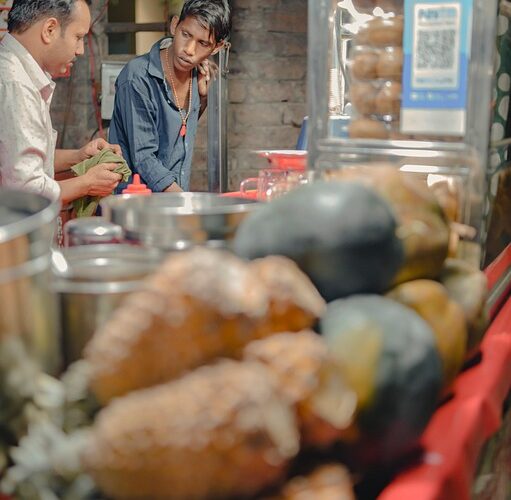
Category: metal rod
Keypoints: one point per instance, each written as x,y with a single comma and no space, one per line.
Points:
319,43
217,126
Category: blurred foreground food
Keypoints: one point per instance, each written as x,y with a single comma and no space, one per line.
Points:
217,432
179,420
201,305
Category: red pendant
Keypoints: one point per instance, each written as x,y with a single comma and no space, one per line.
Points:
182,132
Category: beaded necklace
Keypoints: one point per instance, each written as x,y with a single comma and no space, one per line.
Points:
170,78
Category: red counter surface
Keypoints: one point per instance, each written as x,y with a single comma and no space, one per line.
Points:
459,429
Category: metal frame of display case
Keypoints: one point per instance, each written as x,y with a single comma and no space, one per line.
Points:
217,125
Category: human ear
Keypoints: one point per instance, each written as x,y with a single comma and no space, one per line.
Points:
173,25
50,30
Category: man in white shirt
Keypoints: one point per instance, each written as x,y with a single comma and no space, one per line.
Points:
44,37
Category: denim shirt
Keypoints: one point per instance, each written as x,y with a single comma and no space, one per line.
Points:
146,123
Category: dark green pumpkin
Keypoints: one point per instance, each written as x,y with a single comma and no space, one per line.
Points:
341,234
387,354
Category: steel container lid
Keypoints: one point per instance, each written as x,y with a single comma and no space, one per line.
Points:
91,231
96,269
27,226
22,213
175,221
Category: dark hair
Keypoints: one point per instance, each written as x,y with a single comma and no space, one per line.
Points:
214,15
25,13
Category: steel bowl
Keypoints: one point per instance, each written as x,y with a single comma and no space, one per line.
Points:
90,282
177,221
28,309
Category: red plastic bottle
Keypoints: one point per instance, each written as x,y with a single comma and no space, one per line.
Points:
136,187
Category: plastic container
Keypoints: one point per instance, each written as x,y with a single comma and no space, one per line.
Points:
369,6
440,53
374,72
91,231
137,187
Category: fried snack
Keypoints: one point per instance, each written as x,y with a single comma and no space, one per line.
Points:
363,97
295,304
202,304
379,32
390,64
329,482
308,380
388,100
217,432
364,64
367,128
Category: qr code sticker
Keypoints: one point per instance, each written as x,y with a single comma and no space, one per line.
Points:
436,49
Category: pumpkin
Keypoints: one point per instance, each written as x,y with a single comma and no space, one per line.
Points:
387,354
422,224
341,234
431,301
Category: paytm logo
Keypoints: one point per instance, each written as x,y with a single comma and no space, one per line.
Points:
437,14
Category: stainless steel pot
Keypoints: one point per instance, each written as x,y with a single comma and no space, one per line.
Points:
90,282
176,221
28,313
91,231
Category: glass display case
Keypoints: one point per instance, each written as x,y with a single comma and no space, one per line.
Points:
452,172
414,79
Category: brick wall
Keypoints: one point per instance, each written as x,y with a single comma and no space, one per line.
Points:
267,84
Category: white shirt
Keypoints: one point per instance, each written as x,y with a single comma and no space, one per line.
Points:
27,138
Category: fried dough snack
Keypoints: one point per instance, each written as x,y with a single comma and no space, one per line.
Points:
308,380
329,482
295,304
219,431
201,305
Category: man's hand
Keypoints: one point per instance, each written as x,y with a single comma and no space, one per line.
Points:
96,146
173,188
208,71
101,180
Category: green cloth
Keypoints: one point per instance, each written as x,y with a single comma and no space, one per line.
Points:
87,205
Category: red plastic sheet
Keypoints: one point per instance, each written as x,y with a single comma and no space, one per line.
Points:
251,194
458,430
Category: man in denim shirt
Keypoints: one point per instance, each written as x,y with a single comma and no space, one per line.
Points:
161,95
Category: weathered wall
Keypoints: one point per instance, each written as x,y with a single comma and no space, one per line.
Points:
73,113
267,84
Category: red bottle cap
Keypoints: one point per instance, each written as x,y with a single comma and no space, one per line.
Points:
136,187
